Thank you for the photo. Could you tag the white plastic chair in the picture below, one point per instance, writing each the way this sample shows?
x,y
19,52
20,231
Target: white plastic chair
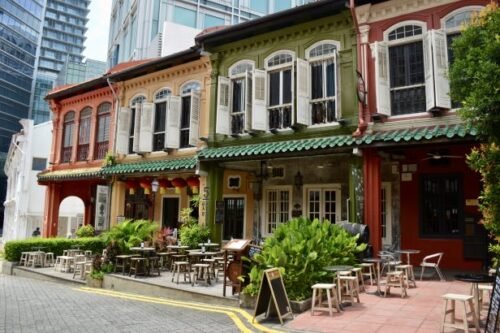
x,y
432,261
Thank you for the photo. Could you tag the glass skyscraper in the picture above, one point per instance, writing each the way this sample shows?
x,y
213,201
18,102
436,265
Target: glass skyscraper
x,y
63,35
76,72
153,28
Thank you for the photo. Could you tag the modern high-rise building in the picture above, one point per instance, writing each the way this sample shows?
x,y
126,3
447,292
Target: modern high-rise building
x,y
153,28
76,72
63,36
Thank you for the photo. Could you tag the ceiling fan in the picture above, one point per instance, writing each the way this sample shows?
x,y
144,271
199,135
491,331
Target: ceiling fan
x,y
439,156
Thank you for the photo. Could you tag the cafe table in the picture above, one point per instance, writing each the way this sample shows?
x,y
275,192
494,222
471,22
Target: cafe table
x,y
377,262
475,279
408,252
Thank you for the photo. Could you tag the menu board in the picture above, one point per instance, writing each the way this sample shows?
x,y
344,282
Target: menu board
x,y
492,321
273,296
236,245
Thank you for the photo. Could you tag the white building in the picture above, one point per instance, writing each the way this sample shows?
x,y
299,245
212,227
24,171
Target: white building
x,y
153,28
24,204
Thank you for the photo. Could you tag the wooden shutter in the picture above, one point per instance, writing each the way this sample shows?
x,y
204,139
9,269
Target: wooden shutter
x,y
146,128
440,60
338,92
381,52
122,131
248,101
303,85
223,105
259,111
173,122
137,127
194,118
430,101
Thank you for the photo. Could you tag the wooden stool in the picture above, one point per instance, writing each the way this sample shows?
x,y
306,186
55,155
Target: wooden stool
x,y
408,274
395,279
331,296
357,271
154,265
79,266
371,271
176,257
201,272
49,259
464,299
482,288
24,259
122,261
164,260
211,270
348,288
88,254
181,267
138,266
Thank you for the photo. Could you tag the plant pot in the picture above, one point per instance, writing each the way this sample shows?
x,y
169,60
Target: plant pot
x,y
94,283
247,301
301,306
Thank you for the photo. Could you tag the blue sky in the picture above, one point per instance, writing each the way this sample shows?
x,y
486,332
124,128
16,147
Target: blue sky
x,y
96,45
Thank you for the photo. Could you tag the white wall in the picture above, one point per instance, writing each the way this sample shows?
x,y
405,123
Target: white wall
x,y
177,38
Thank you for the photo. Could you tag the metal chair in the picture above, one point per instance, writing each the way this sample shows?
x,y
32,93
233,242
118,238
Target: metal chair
x,y
432,261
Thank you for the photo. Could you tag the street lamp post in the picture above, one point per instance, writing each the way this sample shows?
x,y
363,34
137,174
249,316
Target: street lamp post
x,y
154,188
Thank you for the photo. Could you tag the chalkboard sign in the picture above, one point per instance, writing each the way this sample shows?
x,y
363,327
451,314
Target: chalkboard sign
x,y
272,296
253,250
492,321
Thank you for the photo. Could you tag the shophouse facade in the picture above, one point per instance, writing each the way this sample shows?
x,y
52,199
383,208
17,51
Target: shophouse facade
x,y
282,110
419,191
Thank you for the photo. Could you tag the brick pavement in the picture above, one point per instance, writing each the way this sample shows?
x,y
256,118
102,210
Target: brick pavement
x,y
28,305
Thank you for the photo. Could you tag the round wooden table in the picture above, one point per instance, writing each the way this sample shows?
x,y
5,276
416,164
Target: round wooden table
x,y
475,279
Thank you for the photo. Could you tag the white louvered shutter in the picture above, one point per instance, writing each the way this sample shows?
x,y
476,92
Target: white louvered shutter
x,y
173,122
303,84
223,105
381,52
248,101
194,118
259,111
122,132
440,59
137,127
146,128
338,91
430,101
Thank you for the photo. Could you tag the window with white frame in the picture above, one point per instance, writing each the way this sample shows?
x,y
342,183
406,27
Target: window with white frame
x,y
160,118
190,114
279,68
322,59
277,208
135,109
410,70
67,138
84,134
323,202
453,23
240,76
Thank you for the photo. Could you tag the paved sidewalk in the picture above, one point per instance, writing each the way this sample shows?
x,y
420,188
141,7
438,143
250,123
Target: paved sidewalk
x,y
420,312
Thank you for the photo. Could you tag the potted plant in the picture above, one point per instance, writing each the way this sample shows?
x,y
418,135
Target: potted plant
x,y
100,266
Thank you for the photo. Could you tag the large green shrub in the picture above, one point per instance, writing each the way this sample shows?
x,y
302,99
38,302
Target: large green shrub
x,y
131,233
193,234
301,249
13,249
85,231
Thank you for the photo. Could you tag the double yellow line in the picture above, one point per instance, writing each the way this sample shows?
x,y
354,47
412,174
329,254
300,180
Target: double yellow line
x,y
232,313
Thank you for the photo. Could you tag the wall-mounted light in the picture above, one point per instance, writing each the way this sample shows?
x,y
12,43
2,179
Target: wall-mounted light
x,y
299,181
154,185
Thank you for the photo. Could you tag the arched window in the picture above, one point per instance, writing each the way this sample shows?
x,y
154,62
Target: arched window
x,y
322,58
67,139
84,134
279,67
135,108
160,111
240,85
103,127
190,114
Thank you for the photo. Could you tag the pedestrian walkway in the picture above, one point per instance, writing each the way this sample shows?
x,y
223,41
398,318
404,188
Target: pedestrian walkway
x,y
420,312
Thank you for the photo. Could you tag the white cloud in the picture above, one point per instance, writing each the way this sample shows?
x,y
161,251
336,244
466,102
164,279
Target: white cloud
x,y
96,45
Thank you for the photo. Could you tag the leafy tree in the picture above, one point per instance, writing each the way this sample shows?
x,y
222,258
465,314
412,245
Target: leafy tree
x,y
131,233
475,82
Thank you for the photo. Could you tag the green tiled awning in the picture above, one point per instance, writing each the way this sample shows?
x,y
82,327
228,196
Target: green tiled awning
x,y
394,137
69,174
188,163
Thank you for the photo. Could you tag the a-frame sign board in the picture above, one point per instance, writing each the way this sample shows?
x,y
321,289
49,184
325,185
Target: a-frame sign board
x,y
493,319
272,296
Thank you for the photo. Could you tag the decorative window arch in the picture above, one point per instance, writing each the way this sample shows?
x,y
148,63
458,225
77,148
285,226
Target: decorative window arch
x,y
162,94
67,138
279,58
84,134
190,86
455,20
406,31
324,81
103,128
241,68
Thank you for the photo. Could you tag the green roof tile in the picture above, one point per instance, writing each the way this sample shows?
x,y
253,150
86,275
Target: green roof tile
x,y
188,163
400,136
69,174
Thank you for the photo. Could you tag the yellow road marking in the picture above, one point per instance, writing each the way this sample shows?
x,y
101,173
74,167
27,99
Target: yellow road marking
x,y
230,311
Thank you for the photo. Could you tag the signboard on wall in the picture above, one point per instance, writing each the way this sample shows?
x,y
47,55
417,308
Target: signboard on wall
x,y
101,208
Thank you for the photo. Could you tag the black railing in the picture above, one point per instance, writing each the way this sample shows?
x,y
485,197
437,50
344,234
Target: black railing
x,y
101,150
323,112
407,101
66,154
83,152
280,117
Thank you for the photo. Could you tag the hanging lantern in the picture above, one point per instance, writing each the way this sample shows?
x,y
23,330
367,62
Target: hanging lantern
x,y
178,184
194,184
164,184
131,186
146,185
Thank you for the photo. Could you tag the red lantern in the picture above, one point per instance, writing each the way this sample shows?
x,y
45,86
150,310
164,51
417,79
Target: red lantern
x,y
131,186
178,184
146,185
194,184
164,184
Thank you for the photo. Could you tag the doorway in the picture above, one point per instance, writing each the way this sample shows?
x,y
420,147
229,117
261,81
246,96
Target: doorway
x,y
234,218
170,214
